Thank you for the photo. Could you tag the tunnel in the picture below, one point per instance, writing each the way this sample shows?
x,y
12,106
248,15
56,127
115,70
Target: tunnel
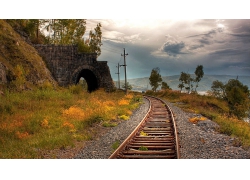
x,y
90,78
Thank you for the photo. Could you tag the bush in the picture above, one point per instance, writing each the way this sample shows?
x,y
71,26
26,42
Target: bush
x,y
235,93
75,89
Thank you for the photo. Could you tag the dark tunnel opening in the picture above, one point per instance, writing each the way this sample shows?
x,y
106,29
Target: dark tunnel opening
x,y
90,78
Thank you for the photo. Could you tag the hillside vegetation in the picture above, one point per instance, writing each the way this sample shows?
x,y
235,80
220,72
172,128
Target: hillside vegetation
x,y
213,108
37,116
20,62
35,122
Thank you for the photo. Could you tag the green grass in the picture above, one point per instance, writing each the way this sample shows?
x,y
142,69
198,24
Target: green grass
x,y
109,124
46,118
212,108
115,145
143,148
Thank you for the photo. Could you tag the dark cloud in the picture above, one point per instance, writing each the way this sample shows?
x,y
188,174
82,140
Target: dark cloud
x,y
204,40
228,52
243,35
220,46
194,47
238,26
209,34
219,41
173,48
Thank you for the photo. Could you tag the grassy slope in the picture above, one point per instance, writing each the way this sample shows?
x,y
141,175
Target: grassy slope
x,y
15,51
43,119
35,122
212,108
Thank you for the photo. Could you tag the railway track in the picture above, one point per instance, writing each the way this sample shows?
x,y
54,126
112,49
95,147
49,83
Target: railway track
x,y
154,138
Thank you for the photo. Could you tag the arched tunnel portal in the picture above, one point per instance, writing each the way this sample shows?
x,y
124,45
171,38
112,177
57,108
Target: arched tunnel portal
x,y
92,79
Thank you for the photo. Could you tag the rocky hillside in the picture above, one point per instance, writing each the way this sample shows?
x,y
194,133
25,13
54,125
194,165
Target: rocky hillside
x,y
20,61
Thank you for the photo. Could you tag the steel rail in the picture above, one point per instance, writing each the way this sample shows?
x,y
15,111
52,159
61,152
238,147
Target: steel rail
x,y
175,128
122,146
161,139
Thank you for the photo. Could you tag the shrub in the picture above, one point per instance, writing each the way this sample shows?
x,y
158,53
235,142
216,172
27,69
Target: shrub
x,y
75,89
124,117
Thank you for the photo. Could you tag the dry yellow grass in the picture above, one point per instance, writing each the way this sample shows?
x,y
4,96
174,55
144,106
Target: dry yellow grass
x,y
195,120
212,108
49,119
74,112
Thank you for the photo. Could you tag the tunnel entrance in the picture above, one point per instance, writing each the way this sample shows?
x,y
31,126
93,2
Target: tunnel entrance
x,y
90,79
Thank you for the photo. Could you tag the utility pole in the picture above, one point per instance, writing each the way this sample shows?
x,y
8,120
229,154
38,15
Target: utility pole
x,y
118,75
124,55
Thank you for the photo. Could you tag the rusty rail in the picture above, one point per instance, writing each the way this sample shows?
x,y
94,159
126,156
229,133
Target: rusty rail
x,y
155,137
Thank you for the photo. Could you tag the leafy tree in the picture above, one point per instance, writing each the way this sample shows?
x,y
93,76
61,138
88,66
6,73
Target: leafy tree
x,y
71,31
61,31
155,78
65,31
165,86
199,74
187,79
129,87
29,26
95,40
218,89
182,79
237,96
235,93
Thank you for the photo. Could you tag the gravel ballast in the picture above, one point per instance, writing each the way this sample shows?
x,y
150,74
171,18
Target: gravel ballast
x,y
197,141
101,148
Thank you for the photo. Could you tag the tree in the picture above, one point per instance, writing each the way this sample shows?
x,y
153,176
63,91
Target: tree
x,y
199,74
95,40
182,79
71,31
31,27
65,31
187,79
165,86
155,78
235,93
237,96
129,87
218,89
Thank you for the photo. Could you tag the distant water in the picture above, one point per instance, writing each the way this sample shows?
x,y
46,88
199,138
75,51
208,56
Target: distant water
x,y
202,92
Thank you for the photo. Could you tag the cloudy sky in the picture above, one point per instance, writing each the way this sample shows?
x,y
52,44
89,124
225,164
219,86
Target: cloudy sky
x,y
175,45
175,36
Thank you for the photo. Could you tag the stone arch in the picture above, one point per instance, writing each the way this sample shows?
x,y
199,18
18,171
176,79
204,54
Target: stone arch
x,y
90,74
